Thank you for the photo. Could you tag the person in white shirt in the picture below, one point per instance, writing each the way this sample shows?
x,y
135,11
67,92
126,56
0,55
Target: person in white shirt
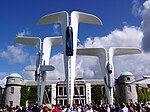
x,y
123,108
89,108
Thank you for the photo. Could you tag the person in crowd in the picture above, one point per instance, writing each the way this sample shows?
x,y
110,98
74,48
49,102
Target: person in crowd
x,y
35,109
18,108
46,109
111,108
116,107
68,108
74,109
79,108
123,108
63,108
138,107
89,108
104,108
56,108
107,108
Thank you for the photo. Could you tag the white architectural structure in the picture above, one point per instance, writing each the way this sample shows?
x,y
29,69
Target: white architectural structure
x,y
53,96
42,63
106,63
72,29
69,42
88,93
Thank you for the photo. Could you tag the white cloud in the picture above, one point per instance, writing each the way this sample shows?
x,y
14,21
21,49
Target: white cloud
x,y
146,4
57,62
14,54
56,29
89,67
136,64
136,8
86,67
3,76
29,72
23,33
33,60
145,25
127,37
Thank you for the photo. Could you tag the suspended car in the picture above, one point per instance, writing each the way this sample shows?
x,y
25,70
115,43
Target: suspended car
x,y
109,75
69,41
109,68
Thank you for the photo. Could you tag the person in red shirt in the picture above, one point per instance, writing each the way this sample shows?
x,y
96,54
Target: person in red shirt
x,y
56,108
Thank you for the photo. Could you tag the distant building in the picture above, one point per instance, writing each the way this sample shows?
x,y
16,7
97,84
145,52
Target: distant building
x,y
79,92
126,87
82,90
12,89
10,95
144,82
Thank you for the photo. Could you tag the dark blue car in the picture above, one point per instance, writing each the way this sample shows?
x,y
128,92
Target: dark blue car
x,y
69,41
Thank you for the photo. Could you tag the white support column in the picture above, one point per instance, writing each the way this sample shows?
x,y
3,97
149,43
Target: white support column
x,y
53,94
88,93
104,59
63,19
113,52
76,18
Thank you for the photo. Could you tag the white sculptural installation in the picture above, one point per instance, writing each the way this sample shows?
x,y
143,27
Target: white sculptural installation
x,y
70,31
70,58
42,63
106,63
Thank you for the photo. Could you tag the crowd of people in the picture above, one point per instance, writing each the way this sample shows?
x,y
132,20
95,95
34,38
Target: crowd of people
x,y
122,107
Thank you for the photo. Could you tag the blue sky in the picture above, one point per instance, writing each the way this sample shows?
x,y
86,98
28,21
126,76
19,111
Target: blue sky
x,y
20,17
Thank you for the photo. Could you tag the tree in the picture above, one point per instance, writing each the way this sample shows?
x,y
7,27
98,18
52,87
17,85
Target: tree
x,y
96,93
118,99
140,95
32,96
46,95
24,95
143,94
148,95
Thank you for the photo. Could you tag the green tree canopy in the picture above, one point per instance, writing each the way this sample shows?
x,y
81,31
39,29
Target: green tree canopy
x,y
24,95
143,94
96,93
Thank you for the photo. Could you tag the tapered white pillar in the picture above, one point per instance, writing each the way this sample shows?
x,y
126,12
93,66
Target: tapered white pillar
x,y
63,19
53,94
69,61
40,71
104,60
76,18
117,51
